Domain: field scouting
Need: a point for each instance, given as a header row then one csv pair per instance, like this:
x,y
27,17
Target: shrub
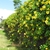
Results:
x,y
10,27
33,26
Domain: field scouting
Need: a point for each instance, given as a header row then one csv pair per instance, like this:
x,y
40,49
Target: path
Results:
x,y
4,42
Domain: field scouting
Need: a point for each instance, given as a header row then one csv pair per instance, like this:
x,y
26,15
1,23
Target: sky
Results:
x,y
6,8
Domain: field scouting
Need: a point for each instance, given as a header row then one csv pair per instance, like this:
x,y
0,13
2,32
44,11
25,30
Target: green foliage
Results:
x,y
17,3
2,23
11,25
31,26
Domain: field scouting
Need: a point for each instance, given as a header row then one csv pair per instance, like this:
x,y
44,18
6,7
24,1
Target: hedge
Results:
x,y
31,25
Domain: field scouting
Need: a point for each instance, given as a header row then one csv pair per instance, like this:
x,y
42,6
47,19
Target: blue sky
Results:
x,y
6,4
6,8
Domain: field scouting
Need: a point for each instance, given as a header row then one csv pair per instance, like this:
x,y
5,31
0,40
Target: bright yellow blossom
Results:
x,y
25,3
33,29
36,24
48,9
24,22
49,2
12,34
41,37
35,12
26,45
49,38
28,18
22,7
34,44
31,24
27,36
26,25
43,2
22,43
39,28
29,14
34,17
47,12
46,2
24,33
43,7
47,18
18,31
37,4
39,0
46,21
46,48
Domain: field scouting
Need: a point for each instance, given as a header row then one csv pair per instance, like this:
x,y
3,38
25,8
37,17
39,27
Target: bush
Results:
x,y
33,25
10,27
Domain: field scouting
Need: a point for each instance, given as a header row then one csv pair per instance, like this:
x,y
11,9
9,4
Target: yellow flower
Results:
x,y
49,38
49,2
25,3
33,29
39,28
41,37
46,21
27,36
22,43
28,18
31,2
39,0
47,8
31,33
30,6
24,22
34,44
35,12
26,25
35,37
12,34
18,31
47,12
47,18
36,24
37,4
29,14
26,45
34,17
24,34
22,7
46,48
43,2
43,7
31,24
46,2
8,26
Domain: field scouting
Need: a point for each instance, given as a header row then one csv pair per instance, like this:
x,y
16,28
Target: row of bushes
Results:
x,y
30,25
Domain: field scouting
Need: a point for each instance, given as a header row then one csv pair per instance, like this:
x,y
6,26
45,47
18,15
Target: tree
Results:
x,y
17,3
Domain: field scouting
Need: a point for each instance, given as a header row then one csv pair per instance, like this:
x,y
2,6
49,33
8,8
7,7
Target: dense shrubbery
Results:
x,y
30,25
11,26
